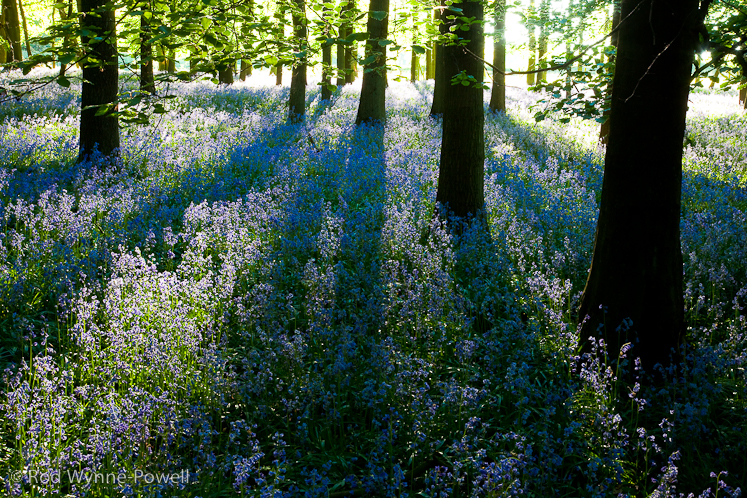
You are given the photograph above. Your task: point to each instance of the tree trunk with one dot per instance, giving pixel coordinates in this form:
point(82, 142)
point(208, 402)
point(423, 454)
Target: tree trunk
point(13, 30)
point(604, 129)
point(462, 165)
point(636, 270)
point(279, 74)
point(225, 73)
point(25, 27)
point(440, 80)
point(341, 59)
point(171, 63)
point(414, 66)
point(3, 36)
point(297, 98)
point(532, 44)
point(326, 63)
point(147, 81)
point(246, 69)
point(543, 37)
point(498, 92)
point(350, 63)
point(428, 62)
point(372, 106)
point(100, 81)
point(743, 96)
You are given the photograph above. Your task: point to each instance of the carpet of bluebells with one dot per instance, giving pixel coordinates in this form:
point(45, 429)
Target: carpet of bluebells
point(252, 306)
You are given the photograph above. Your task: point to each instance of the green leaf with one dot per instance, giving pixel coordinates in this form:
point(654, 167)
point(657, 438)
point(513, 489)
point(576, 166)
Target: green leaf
point(368, 60)
point(63, 82)
point(418, 49)
point(384, 43)
point(379, 15)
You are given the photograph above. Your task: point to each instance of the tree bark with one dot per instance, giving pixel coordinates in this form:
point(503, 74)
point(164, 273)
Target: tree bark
point(636, 270)
point(743, 96)
point(604, 129)
point(25, 27)
point(440, 80)
point(147, 81)
point(297, 98)
point(351, 66)
point(100, 81)
point(341, 59)
point(3, 36)
point(13, 30)
point(372, 106)
point(225, 73)
point(245, 69)
point(498, 92)
point(279, 74)
point(543, 38)
point(326, 93)
point(532, 44)
point(462, 166)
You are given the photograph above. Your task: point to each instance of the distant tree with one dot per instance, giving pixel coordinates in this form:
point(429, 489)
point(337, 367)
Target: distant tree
point(543, 38)
point(99, 125)
point(440, 79)
point(531, 27)
point(636, 270)
point(372, 106)
point(462, 165)
point(498, 91)
point(147, 81)
point(297, 98)
point(326, 92)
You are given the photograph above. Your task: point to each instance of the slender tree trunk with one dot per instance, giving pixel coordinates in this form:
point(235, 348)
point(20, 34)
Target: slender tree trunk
point(171, 62)
point(440, 78)
point(297, 98)
point(604, 129)
point(636, 270)
point(462, 166)
point(414, 66)
point(350, 63)
point(225, 73)
point(279, 74)
point(743, 96)
point(341, 59)
point(13, 30)
point(498, 92)
point(532, 44)
point(147, 81)
point(372, 106)
point(25, 27)
point(3, 36)
point(326, 93)
point(543, 37)
point(428, 62)
point(100, 80)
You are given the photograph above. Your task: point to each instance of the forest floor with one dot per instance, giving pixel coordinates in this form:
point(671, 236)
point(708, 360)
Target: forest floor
point(243, 306)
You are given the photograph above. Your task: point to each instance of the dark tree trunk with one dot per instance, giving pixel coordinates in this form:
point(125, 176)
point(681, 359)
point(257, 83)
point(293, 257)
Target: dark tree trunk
point(498, 92)
point(532, 44)
point(279, 74)
point(341, 58)
point(462, 166)
point(171, 63)
point(351, 66)
point(297, 98)
point(604, 129)
point(326, 64)
point(542, 45)
point(147, 82)
point(100, 81)
point(372, 106)
point(440, 80)
point(636, 271)
point(743, 96)
point(225, 73)
point(13, 30)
